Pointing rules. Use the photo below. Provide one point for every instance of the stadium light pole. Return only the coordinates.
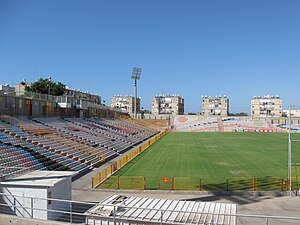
(49, 87)
(136, 75)
(290, 154)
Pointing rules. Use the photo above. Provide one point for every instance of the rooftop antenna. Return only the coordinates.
(136, 75)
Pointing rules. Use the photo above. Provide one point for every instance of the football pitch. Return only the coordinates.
(211, 156)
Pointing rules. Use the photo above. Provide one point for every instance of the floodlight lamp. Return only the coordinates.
(136, 73)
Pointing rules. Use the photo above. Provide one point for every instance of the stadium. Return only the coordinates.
(149, 112)
(103, 150)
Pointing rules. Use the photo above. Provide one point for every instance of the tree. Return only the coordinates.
(43, 86)
(238, 114)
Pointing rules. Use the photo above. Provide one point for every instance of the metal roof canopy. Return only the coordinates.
(39, 178)
(129, 209)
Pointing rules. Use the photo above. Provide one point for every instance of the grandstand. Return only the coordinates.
(70, 144)
(151, 124)
(190, 123)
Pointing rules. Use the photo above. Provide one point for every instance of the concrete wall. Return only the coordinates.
(24, 204)
(62, 191)
(14, 220)
(35, 205)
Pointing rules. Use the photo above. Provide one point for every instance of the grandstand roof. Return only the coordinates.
(149, 210)
(39, 178)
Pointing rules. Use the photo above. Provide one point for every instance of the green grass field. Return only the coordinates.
(212, 156)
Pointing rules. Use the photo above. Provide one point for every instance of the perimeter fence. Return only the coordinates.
(197, 184)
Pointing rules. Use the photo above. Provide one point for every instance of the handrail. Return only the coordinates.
(267, 218)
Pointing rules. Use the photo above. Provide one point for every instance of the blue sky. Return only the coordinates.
(188, 47)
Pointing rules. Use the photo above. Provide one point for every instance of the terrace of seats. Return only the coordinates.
(196, 124)
(16, 160)
(48, 159)
(105, 143)
(129, 132)
(111, 136)
(44, 140)
(130, 128)
(223, 124)
(71, 144)
(152, 125)
(80, 149)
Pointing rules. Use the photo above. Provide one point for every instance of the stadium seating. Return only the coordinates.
(118, 132)
(70, 144)
(40, 152)
(102, 143)
(16, 160)
(51, 145)
(189, 123)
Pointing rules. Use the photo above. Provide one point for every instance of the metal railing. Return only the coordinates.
(235, 218)
(44, 208)
(74, 212)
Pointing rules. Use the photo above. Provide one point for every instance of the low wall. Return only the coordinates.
(15, 220)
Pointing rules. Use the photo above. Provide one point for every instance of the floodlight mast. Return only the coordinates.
(290, 155)
(49, 86)
(290, 149)
(136, 75)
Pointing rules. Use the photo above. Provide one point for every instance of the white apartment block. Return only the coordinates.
(79, 99)
(80, 95)
(293, 112)
(6, 89)
(168, 104)
(267, 106)
(126, 103)
(215, 106)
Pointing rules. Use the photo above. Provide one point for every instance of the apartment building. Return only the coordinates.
(125, 103)
(215, 106)
(168, 104)
(267, 106)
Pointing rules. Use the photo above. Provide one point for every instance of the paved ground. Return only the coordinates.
(251, 203)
